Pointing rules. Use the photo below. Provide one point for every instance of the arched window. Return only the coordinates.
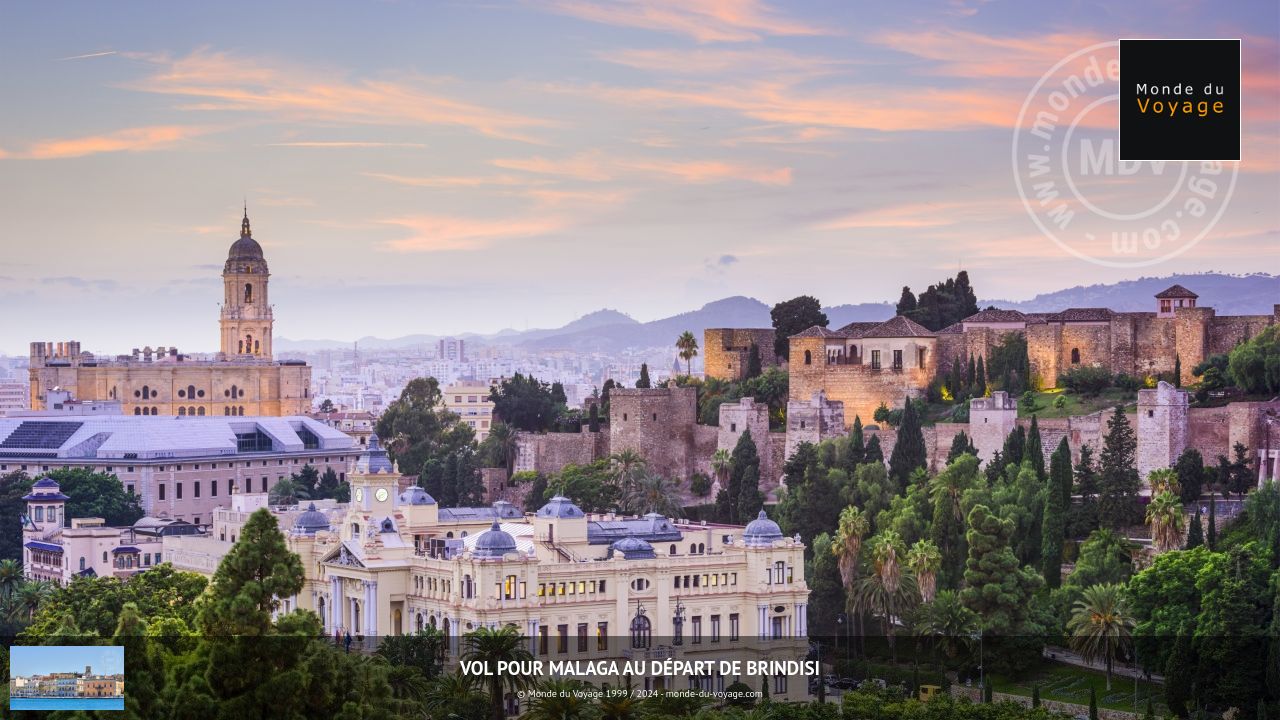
(82, 563)
(146, 392)
(808, 358)
(240, 348)
(137, 411)
(182, 411)
(702, 548)
(257, 348)
(191, 411)
(200, 411)
(191, 391)
(673, 550)
(248, 292)
(641, 632)
(1075, 356)
(104, 556)
(248, 342)
(468, 587)
(39, 513)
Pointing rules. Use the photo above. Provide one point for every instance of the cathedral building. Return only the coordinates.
(241, 379)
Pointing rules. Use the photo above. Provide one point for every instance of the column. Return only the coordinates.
(335, 604)
(453, 636)
(1263, 463)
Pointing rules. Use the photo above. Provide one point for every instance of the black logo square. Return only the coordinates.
(1179, 99)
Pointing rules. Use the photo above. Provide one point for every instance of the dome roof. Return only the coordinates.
(560, 507)
(633, 548)
(46, 482)
(494, 543)
(311, 521)
(416, 496)
(374, 459)
(762, 531)
(246, 248)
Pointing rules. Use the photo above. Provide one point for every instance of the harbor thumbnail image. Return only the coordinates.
(78, 677)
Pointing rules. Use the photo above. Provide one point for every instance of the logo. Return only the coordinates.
(1180, 99)
(1083, 196)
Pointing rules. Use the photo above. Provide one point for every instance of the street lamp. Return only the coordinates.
(678, 623)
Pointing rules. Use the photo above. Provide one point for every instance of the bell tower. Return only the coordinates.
(246, 311)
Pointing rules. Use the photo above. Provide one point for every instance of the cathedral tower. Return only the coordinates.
(246, 311)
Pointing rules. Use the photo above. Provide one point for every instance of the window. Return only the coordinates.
(213, 488)
(129, 489)
(641, 632)
(562, 639)
(779, 684)
(161, 491)
(40, 513)
(715, 628)
(733, 627)
(178, 490)
(697, 629)
(897, 359)
(733, 427)
(875, 359)
(808, 358)
(582, 637)
(602, 636)
(542, 639)
(1075, 356)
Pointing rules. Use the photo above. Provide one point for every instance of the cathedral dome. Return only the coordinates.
(761, 532)
(246, 248)
(494, 543)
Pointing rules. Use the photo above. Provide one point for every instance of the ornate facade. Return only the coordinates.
(241, 379)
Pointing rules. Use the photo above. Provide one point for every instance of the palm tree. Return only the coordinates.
(622, 707)
(504, 439)
(688, 346)
(886, 554)
(1164, 479)
(924, 559)
(491, 646)
(10, 577)
(1167, 521)
(848, 542)
(888, 591)
(1100, 625)
(28, 598)
(948, 621)
(652, 493)
(451, 691)
(626, 465)
(721, 463)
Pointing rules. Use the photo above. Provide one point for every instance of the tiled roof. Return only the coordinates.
(996, 315)
(817, 331)
(856, 329)
(952, 329)
(49, 547)
(899, 327)
(1082, 315)
(1176, 291)
(1037, 318)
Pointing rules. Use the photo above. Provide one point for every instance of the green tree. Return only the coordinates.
(906, 302)
(1105, 557)
(1015, 446)
(942, 303)
(644, 381)
(755, 365)
(1167, 521)
(593, 423)
(1195, 532)
(997, 588)
(924, 559)
(1055, 515)
(326, 406)
(1100, 626)
(417, 428)
(1118, 481)
(847, 543)
(1034, 452)
(1254, 365)
(494, 645)
(909, 452)
(96, 494)
(1009, 366)
(287, 492)
(256, 573)
(308, 479)
(960, 444)
(874, 453)
(744, 457)
(687, 344)
(525, 403)
(1211, 538)
(1190, 469)
(330, 486)
(947, 490)
(793, 316)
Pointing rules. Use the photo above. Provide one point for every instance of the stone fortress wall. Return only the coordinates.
(725, 351)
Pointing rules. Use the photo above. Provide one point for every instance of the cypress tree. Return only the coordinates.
(857, 447)
(754, 365)
(1150, 714)
(1118, 481)
(1015, 447)
(1055, 515)
(909, 451)
(971, 375)
(1177, 371)
(1211, 537)
(986, 691)
(1035, 695)
(956, 382)
(874, 453)
(751, 501)
(980, 378)
(593, 418)
(643, 382)
(960, 445)
(1195, 533)
(1034, 450)
(994, 469)
(744, 456)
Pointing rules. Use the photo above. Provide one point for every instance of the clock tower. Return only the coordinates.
(374, 482)
(246, 311)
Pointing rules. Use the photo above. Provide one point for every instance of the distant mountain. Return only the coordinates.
(1228, 294)
(611, 330)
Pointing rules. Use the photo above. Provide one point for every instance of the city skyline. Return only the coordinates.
(28, 660)
(417, 167)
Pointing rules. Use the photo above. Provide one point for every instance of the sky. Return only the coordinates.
(27, 660)
(453, 167)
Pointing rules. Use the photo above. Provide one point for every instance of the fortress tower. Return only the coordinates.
(1162, 428)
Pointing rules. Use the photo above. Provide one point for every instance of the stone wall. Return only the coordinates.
(737, 418)
(725, 351)
(658, 423)
(859, 387)
(548, 453)
(813, 421)
(990, 422)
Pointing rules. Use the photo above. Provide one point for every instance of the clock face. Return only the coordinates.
(381, 494)
(359, 494)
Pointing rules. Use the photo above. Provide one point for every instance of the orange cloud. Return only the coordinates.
(297, 94)
(439, 233)
(453, 181)
(346, 144)
(139, 139)
(596, 167)
(718, 61)
(703, 20)
(958, 53)
(926, 215)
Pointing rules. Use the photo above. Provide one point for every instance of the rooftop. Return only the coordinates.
(1175, 291)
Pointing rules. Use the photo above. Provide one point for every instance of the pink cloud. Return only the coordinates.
(301, 94)
(594, 166)
(138, 139)
(440, 233)
(703, 20)
(454, 181)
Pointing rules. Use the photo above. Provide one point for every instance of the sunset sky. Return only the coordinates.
(453, 167)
